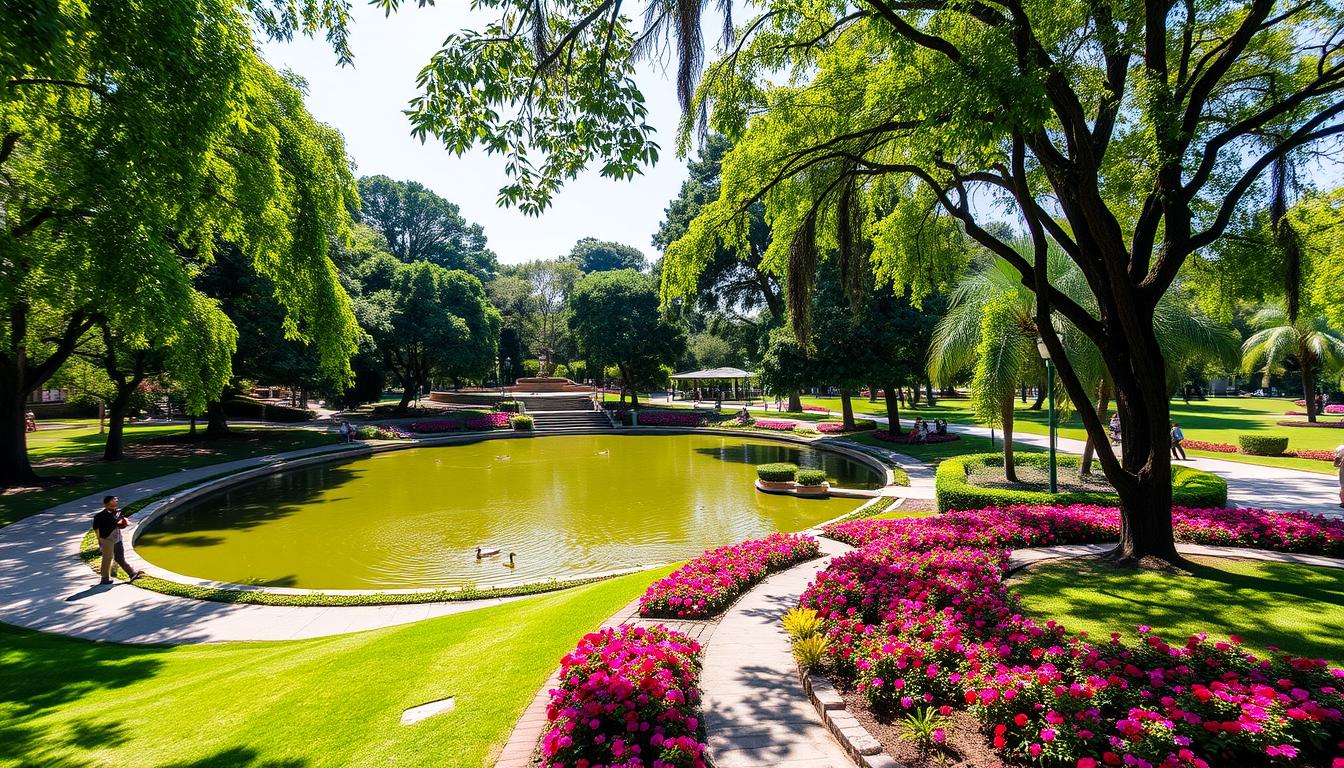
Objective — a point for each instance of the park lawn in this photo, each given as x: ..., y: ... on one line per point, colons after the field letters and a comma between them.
x: 151, y: 450
x: 934, y: 453
x: 1217, y: 420
x: 1294, y: 607
x: 333, y: 701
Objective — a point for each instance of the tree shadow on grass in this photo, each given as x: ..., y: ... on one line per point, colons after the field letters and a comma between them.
x: 238, y: 757
x: 1296, y: 608
x: 41, y: 673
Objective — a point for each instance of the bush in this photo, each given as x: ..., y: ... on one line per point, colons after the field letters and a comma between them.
x: 706, y: 585
x: 626, y: 694
x: 650, y: 418
x: 810, y: 477
x: 470, y: 421
x: 247, y: 408
x: 521, y: 422
x: 1190, y: 487
x: 776, y: 473
x: 380, y: 432
x: 832, y: 427
x: 1262, y: 445
x: 801, y: 623
x: 509, y: 406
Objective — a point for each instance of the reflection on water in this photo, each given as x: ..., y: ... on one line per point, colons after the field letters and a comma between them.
x: 566, y: 506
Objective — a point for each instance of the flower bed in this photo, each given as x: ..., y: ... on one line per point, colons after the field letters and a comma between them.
x: 666, y: 419
x: 1334, y: 408
x: 1301, y: 453
x: 816, y: 409
x: 833, y: 427
x: 706, y: 585
x: 1200, y: 445
x: 627, y: 697
x: 1327, y: 424
x: 919, y: 617
x: 381, y: 432
x: 475, y: 423
x: 909, y: 437
x: 774, y: 424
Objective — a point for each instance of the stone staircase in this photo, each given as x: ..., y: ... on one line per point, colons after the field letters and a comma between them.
x: 568, y: 422
x: 557, y: 403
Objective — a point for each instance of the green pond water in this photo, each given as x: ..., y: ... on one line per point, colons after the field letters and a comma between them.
x: 566, y: 506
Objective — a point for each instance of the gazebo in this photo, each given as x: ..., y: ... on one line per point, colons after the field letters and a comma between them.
x: 733, y: 375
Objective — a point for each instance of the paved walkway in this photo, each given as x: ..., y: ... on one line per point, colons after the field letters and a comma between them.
x: 756, y: 711
x: 44, y: 585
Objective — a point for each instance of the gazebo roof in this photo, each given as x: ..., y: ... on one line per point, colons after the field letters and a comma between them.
x: 716, y: 373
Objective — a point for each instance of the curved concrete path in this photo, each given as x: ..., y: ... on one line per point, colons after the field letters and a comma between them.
x: 1021, y: 558
x: 44, y: 585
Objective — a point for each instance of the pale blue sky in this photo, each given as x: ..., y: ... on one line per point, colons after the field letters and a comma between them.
x: 365, y: 102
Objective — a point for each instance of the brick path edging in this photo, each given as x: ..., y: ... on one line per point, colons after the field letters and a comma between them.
x: 847, y: 730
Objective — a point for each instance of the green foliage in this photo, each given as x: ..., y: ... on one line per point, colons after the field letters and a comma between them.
x: 509, y: 406
x: 785, y: 367
x: 522, y: 422
x: 808, y: 476
x: 810, y: 652
x: 779, y: 472
x: 921, y: 727
x: 247, y: 408
x: 1190, y: 487
x: 801, y: 623
x: 592, y: 255
x: 419, y: 225
x: 1262, y: 445
x: 615, y: 318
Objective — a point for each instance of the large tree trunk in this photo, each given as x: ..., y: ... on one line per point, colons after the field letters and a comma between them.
x: 872, y: 393
x: 15, y: 469
x: 1009, y: 462
x: 1040, y: 399
x: 893, y: 410
x: 847, y: 408
x: 217, y: 424
x: 928, y: 393
x: 795, y: 403
x: 1089, y: 450
x: 114, y: 448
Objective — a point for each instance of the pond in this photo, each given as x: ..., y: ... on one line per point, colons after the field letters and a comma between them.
x: 566, y: 506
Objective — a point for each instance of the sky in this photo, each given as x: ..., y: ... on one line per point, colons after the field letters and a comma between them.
x: 365, y: 102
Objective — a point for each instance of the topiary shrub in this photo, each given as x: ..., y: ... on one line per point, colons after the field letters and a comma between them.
x: 522, y: 423
x: 776, y: 473
x: 509, y: 406
x: 1262, y: 445
x: 810, y: 477
x: 1190, y: 487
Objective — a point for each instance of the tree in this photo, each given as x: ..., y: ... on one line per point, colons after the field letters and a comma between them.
x: 615, y: 318
x: 1308, y: 340
x: 786, y: 368
x: 550, y: 283
x: 899, y: 334
x: 132, y: 140
x: 593, y: 255
x: 419, y: 225
x: 426, y: 321
x: 710, y: 351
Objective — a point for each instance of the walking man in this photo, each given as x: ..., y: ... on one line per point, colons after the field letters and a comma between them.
x: 1177, y: 437
x: 108, y: 523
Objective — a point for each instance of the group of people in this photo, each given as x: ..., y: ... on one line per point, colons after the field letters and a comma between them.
x: 1177, y: 437
x: 347, y: 431
x: 921, y: 430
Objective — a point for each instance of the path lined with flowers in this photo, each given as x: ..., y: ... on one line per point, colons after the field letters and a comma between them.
x: 756, y: 711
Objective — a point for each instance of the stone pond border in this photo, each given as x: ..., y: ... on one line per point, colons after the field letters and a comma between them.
x: 173, y: 499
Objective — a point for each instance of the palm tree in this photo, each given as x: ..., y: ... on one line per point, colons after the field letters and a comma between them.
x: 990, y: 330
x: 1309, y: 340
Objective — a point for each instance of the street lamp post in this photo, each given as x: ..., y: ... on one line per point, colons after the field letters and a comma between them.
x: 1050, y: 393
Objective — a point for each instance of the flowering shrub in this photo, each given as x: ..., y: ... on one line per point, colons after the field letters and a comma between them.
x: 1335, y: 424
x: 909, y: 437
x: 1301, y: 453
x: 1336, y: 408
x: 707, y: 584
x: 831, y: 427
x: 919, y: 616
x: 1200, y: 445
x: 816, y: 409
x: 474, y: 423
x: 627, y: 697
x: 381, y: 432
x: 775, y: 424
x: 669, y: 419
x: 1306, y: 453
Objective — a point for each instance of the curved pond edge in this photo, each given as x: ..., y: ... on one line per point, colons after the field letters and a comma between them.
x: 161, y: 580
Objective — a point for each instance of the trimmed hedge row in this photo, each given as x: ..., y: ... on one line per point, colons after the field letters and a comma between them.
x: 1262, y: 445
x: 776, y: 473
x: 1190, y: 487
x: 810, y: 477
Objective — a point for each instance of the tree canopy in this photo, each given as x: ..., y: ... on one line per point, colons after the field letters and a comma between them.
x: 592, y: 255
x: 419, y: 225
x: 615, y: 318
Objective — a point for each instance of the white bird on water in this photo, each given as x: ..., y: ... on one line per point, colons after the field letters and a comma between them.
x: 480, y: 553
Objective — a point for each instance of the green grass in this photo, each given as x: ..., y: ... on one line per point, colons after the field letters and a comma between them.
x: 1294, y: 607
x: 934, y: 453
x: 327, y: 702
x: 151, y: 451
x: 1217, y: 420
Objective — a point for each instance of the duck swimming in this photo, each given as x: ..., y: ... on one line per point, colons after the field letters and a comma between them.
x: 481, y: 553
x: 510, y: 564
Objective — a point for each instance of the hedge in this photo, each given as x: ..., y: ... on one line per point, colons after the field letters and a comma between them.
x: 810, y: 477
x: 522, y: 422
x: 776, y: 473
x: 1262, y: 445
x: 1190, y: 487
x: 509, y: 406
x: 247, y: 408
